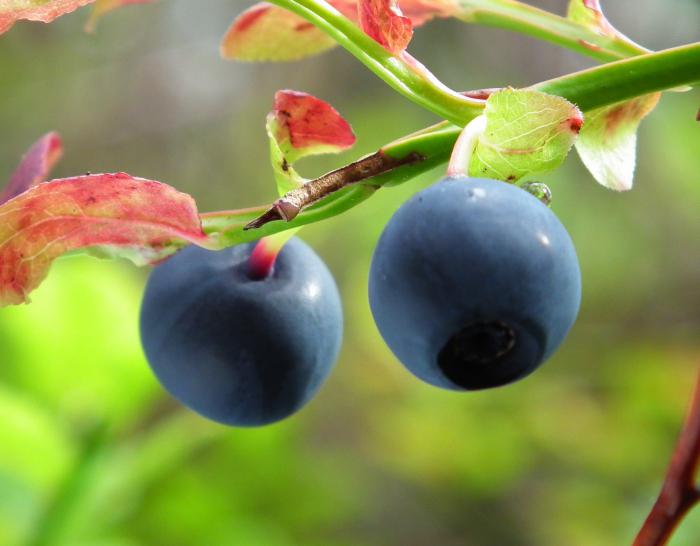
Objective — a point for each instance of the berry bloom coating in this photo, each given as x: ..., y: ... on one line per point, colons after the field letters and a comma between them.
x: 474, y: 283
x: 240, y: 351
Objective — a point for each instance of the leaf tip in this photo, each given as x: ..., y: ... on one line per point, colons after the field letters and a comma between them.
x: 576, y: 122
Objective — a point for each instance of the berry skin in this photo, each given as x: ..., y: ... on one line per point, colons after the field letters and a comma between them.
x: 474, y: 283
x: 240, y: 351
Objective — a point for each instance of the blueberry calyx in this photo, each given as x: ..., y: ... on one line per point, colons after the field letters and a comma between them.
x: 478, y: 343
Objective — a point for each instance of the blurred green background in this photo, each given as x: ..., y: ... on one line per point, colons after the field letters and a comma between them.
x: 94, y: 453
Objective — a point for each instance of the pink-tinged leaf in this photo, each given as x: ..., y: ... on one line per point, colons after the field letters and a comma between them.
x: 142, y: 220
x: 103, y: 6
x: 589, y: 14
x: 269, y: 33
x: 300, y: 125
x: 383, y: 21
x: 608, y: 141
x: 35, y: 166
x: 44, y: 11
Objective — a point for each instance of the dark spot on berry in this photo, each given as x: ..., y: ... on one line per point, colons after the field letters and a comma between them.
x: 468, y: 355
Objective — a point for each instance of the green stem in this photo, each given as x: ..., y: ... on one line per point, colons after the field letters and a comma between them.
x: 541, y: 24
x: 400, y: 72
x: 622, y: 80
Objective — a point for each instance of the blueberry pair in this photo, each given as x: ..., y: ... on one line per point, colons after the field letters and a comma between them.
x: 473, y: 284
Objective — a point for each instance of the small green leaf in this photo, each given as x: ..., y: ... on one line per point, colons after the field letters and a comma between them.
x: 526, y: 132
x: 608, y: 141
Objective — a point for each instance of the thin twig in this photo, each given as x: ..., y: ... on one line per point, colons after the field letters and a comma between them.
x: 679, y: 492
x: 293, y: 202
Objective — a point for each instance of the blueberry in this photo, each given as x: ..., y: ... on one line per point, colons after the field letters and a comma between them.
x: 474, y: 283
x: 240, y: 351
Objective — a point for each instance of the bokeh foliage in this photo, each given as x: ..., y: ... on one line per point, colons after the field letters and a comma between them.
x: 93, y: 453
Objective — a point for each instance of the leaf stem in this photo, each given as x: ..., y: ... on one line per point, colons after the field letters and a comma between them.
x: 541, y: 24
x: 679, y: 492
x: 615, y: 82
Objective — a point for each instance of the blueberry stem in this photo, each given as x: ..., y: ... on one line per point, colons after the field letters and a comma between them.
x: 262, y: 259
x: 465, y: 146
x: 679, y: 492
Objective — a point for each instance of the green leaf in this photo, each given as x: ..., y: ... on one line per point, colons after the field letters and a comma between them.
x: 608, y: 141
x: 526, y: 132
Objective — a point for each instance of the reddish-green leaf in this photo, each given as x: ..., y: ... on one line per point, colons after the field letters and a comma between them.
x: 607, y: 144
x: 117, y: 214
x: 103, y: 6
x: 383, y: 21
x: 35, y: 166
x: 269, y: 33
x: 300, y: 125
x: 45, y: 11
x: 307, y: 125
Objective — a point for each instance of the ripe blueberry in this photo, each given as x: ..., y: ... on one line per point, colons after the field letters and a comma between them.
x: 474, y: 283
x: 237, y: 350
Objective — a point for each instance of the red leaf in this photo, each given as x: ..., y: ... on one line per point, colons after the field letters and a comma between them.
x: 307, y: 122
x: 265, y: 32
x: 35, y: 166
x: 117, y: 213
x: 12, y: 11
x: 383, y: 21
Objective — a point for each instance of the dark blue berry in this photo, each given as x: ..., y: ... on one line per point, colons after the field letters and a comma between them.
x: 236, y: 350
x: 474, y: 283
